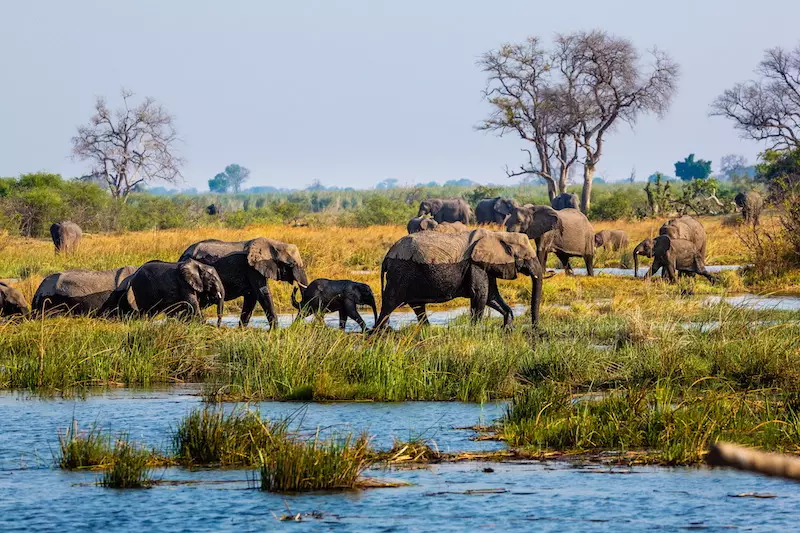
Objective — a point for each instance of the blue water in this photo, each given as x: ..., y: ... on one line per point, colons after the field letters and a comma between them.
x: 553, y: 496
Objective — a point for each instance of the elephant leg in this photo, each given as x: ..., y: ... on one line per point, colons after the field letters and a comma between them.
x: 264, y: 297
x: 653, y: 269
x: 351, y: 311
x: 247, y: 309
x: 564, y: 258
x: 589, y: 260
x: 479, y: 286
x: 422, y: 314
x: 670, y: 271
x: 342, y: 319
x: 497, y: 303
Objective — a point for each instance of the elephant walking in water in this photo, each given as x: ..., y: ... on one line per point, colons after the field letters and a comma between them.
x: 66, y: 236
x: 572, y: 236
x: 494, y: 210
x: 684, y: 227
x: 331, y: 295
x: 677, y: 255
x: 245, y: 268
x: 446, y: 210
x: 78, y: 292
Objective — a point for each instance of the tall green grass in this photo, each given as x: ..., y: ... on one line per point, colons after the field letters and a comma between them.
x: 83, y: 449
x: 129, y: 466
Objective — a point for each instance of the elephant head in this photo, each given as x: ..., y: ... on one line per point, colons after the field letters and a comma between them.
x: 12, y: 302
x: 739, y: 199
x: 532, y: 220
x: 644, y: 248
x: 504, y: 206
x: 599, y: 239
x: 418, y: 224
x: 277, y: 260
x: 429, y: 207
x: 205, y: 281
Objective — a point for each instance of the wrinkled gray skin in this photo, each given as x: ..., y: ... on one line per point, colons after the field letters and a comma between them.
x: 180, y: 289
x: 66, y: 236
x: 573, y: 236
x: 616, y: 239
x: 751, y: 205
x: 332, y: 295
x: 446, y: 210
x: 78, y: 292
x: 677, y: 255
x: 565, y: 201
x: 245, y: 269
x: 12, y: 303
x: 417, y: 224
x: 494, y: 210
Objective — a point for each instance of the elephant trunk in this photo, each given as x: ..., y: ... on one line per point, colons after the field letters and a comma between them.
x: 220, y: 308
x: 636, y: 262
x: 295, y: 303
x: 299, y: 275
x: 536, y: 293
x: 371, y: 302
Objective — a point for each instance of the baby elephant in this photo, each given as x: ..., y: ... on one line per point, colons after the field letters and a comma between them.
x: 615, y: 239
x: 677, y: 255
x: 12, y: 302
x: 331, y: 295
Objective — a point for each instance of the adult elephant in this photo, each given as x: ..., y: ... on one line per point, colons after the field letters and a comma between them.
x: 418, y: 224
x: 686, y: 227
x: 12, y: 302
x: 433, y: 267
x: 446, y: 210
x: 677, y: 255
x: 66, y: 236
x: 78, y: 292
x: 245, y: 268
x: 572, y: 236
x: 494, y: 210
x: 751, y: 204
x: 179, y: 289
x: 565, y: 200
x: 616, y: 239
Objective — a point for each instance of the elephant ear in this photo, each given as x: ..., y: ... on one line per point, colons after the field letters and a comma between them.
x: 543, y: 219
x: 190, y: 270
x: 504, y: 206
x: 495, y: 255
x: 264, y: 255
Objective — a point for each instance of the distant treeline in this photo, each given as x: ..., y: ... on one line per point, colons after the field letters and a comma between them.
x: 31, y: 202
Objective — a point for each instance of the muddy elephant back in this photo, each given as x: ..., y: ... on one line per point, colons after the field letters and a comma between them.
x: 576, y: 235
x: 430, y: 247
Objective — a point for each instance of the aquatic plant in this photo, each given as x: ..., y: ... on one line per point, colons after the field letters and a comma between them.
x: 83, y: 449
x: 129, y: 466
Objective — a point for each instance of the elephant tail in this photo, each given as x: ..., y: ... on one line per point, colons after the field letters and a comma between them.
x: 295, y: 303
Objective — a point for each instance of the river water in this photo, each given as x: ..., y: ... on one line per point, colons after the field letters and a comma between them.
x: 541, y: 496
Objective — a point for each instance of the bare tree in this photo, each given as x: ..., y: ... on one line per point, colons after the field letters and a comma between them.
x: 767, y: 109
x: 129, y: 147
x: 525, y: 101
x: 604, y: 83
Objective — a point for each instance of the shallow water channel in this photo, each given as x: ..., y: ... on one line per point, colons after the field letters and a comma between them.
x: 531, y: 495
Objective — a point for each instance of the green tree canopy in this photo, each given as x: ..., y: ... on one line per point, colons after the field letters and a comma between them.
x: 232, y: 179
x: 693, y: 169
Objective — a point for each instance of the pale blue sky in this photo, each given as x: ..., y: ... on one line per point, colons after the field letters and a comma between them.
x: 351, y: 92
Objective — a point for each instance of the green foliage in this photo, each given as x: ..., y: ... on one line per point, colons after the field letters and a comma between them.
x: 659, y: 194
x: 690, y: 169
x: 219, y: 183
x: 780, y: 172
x: 287, y: 211
x: 479, y: 193
x: 611, y: 208
x: 232, y: 179
x: 85, y: 449
x: 379, y: 210
x: 129, y: 469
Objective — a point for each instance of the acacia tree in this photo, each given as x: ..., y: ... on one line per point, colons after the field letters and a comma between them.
x: 767, y: 109
x: 130, y: 146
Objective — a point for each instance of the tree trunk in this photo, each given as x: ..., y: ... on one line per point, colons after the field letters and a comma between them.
x: 551, y: 188
x: 562, y: 179
x: 586, y: 194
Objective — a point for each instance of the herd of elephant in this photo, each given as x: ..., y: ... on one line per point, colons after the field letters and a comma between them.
x: 440, y: 259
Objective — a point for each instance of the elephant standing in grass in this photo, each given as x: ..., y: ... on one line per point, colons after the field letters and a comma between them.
x: 418, y: 224
x: 494, y: 210
x: 571, y: 236
x: 616, y: 239
x: 446, y: 210
x: 677, y: 255
x: 331, y: 295
x: 565, y: 201
x: 180, y: 289
x: 751, y: 205
x: 78, y: 292
x: 245, y: 268
x: 66, y: 236
x: 433, y: 267
x: 12, y: 302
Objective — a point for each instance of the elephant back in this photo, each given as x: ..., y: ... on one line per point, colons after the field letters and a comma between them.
x: 80, y: 283
x: 451, y: 227
x: 430, y: 247
x: 212, y: 249
x: 575, y: 234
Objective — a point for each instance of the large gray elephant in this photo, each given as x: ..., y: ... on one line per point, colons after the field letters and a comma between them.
x: 616, y: 239
x: 245, y: 268
x: 12, y: 302
x: 433, y: 267
x: 332, y: 295
x: 180, y: 289
x: 494, y: 210
x: 677, y: 255
x: 418, y: 224
x: 66, y: 236
x: 78, y: 292
x: 684, y: 227
x: 751, y: 204
x: 565, y: 200
x: 446, y: 210
x: 572, y: 236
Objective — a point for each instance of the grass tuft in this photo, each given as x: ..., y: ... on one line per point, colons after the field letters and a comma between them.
x: 129, y: 468
x: 83, y: 449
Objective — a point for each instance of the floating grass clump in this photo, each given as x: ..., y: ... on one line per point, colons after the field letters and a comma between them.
x: 294, y: 465
x: 83, y: 449
x: 676, y: 425
x: 211, y: 436
x: 413, y: 451
x: 129, y: 466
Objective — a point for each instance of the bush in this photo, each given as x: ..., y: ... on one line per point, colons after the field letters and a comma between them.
x: 380, y: 210
x: 613, y: 207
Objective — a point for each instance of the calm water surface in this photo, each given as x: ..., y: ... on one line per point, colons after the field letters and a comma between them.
x: 449, y: 497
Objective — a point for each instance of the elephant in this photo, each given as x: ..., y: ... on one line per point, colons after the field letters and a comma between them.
x: 686, y: 227
x: 421, y: 224
x: 565, y: 201
x: 245, y: 268
x: 331, y: 295
x: 677, y: 255
x: 751, y: 205
x: 446, y: 210
x: 78, y: 292
x: 494, y: 210
x: 433, y: 267
x: 572, y: 236
x: 644, y: 248
x: 212, y: 209
x: 451, y: 227
x: 616, y: 239
x: 179, y: 289
x: 12, y: 302
x: 66, y: 236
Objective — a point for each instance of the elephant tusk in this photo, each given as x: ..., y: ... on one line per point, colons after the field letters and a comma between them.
x: 302, y: 286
